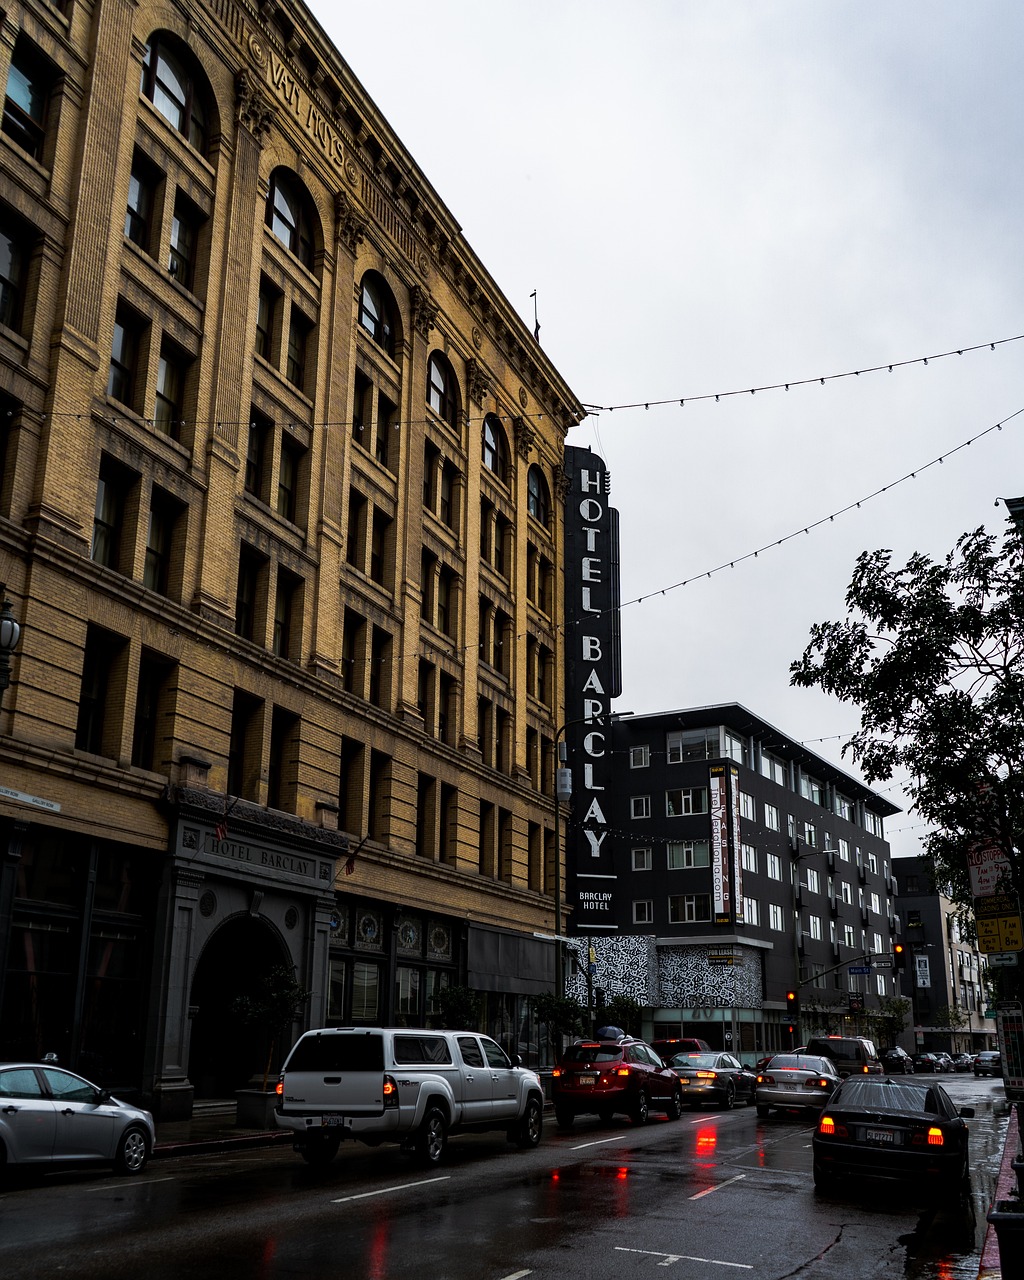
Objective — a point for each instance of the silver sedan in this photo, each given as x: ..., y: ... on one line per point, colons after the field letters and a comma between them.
x: 795, y: 1081
x: 52, y: 1116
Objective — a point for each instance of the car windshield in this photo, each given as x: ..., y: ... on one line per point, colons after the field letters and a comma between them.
x: 888, y: 1095
x: 593, y: 1053
x: 694, y: 1060
x: 798, y: 1062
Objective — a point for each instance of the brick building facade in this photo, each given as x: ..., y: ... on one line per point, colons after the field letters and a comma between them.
x: 280, y: 520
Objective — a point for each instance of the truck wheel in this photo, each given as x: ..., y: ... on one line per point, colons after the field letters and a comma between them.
x: 531, y: 1124
x: 319, y: 1152
x: 431, y: 1138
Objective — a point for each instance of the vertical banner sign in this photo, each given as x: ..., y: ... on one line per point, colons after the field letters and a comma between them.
x: 593, y: 678
x: 1010, y: 1026
x: 737, y: 849
x: 721, y: 901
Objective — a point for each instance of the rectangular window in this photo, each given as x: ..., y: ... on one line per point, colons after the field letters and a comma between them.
x: 124, y: 356
x: 365, y: 992
x: 407, y: 991
x: 251, y: 567
x: 680, y: 801
x: 812, y: 881
x: 848, y: 934
x: 691, y: 744
x: 643, y: 859
x: 15, y: 241
x: 142, y: 186
x: 748, y: 809
x: 29, y: 83
x: 185, y: 226
x: 749, y: 857
x: 257, y: 454
x: 771, y: 817
x: 287, y: 614
x: 734, y: 747
x: 773, y: 769
x: 810, y: 835
x: 681, y: 855
x: 639, y: 757
x: 96, y: 730
x: 846, y: 893
x: 168, y: 407
x: 874, y: 904
x: 266, y: 317
x: 815, y: 927
x: 643, y: 911
x: 872, y: 863
x: 844, y: 849
x: 379, y: 526
x: 685, y: 908
x: 288, y: 475
x: 640, y: 806
x: 774, y: 866
x: 873, y: 823
x: 164, y: 514
x: 751, y: 911
x: 298, y: 344
x: 844, y: 807
x: 151, y: 705
x: 776, y: 918
x: 387, y: 420
x: 113, y: 488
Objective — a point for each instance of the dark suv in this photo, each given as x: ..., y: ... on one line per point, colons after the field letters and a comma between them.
x: 620, y: 1075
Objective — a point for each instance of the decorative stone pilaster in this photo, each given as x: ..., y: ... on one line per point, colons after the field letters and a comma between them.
x: 351, y: 225
x: 479, y: 384
x: 424, y: 311
x: 524, y: 437
x: 252, y: 108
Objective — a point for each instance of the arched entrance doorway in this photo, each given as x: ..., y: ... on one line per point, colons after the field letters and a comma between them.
x: 224, y: 1053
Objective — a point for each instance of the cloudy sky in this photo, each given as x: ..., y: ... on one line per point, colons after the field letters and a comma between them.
x: 710, y: 196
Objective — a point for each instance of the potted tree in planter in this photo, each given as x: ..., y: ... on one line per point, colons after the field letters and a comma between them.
x: 275, y: 1002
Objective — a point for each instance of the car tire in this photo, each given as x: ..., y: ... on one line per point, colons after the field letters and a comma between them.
x: 531, y: 1125
x: 823, y: 1181
x: 762, y: 1112
x: 431, y: 1138
x: 675, y: 1106
x: 564, y: 1117
x: 132, y: 1153
x: 729, y: 1101
x: 319, y: 1152
x: 641, y: 1111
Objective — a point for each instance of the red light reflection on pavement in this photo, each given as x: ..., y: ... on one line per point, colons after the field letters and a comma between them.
x: 707, y: 1140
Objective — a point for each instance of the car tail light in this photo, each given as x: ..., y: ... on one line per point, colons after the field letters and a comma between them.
x: 826, y: 1125
x: 556, y: 1073
x: 622, y: 1071
x: 765, y: 1079
x: 390, y: 1091
x: 934, y: 1137
x: 279, y: 1088
x: 866, y: 1070
x: 706, y: 1075
x: 824, y: 1082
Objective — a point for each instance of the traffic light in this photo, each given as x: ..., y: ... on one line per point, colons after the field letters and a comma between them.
x: 793, y: 1005
x: 899, y: 956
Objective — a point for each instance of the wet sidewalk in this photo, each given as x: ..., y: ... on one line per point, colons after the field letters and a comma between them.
x: 213, y: 1127
x: 992, y: 1268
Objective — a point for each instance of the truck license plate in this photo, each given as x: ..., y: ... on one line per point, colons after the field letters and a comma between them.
x: 334, y: 1122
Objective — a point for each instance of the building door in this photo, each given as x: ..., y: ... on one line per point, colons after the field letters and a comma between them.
x: 225, y: 1053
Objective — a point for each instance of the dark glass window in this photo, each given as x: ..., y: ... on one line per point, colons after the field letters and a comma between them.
x: 103, y: 650
x: 173, y: 89
x: 266, y: 314
x: 29, y: 83
x: 168, y: 406
x: 164, y: 514
x: 250, y: 570
x: 298, y: 345
x: 288, y: 472
x: 185, y: 224
x: 154, y: 679
x: 288, y: 216
x: 112, y: 491
x: 442, y: 391
x: 124, y: 356
x: 495, y: 448
x: 537, y: 503
x: 256, y: 455
x: 376, y: 312
x: 14, y: 250
x: 142, y: 188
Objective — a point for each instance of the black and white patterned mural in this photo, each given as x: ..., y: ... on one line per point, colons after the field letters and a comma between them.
x: 667, y: 977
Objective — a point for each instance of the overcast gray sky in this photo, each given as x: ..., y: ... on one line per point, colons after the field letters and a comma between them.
x: 718, y: 195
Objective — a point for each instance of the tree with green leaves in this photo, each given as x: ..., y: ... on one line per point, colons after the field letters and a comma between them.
x: 933, y: 655
x: 271, y: 1007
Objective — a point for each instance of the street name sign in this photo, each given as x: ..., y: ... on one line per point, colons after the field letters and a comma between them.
x: 859, y: 968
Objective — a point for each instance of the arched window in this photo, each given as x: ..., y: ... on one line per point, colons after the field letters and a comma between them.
x: 377, y: 311
x: 175, y: 89
x: 495, y: 448
x: 442, y: 389
x: 537, y: 501
x: 288, y: 216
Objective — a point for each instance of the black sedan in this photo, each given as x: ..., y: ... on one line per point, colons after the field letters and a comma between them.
x: 907, y: 1131
x: 897, y: 1062
x: 929, y: 1063
x: 713, y: 1077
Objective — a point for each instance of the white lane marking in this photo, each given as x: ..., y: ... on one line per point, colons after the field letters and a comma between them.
x: 598, y: 1142
x: 718, y: 1186
x: 386, y: 1191
x: 517, y: 1275
x: 119, y: 1186
x: 669, y: 1258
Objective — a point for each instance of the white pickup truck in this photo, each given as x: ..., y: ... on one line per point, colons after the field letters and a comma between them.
x: 388, y: 1084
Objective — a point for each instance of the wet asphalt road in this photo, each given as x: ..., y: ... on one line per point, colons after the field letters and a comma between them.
x: 718, y: 1194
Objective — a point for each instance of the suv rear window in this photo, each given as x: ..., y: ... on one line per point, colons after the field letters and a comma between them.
x: 332, y: 1051
x: 593, y: 1053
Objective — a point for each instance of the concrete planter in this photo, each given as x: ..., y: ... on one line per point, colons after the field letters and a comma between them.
x: 255, y: 1109
x: 1008, y: 1219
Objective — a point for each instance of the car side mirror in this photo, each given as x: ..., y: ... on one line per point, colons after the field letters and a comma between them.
x: 844, y: 1075
x: 967, y: 1113
x: 102, y: 1095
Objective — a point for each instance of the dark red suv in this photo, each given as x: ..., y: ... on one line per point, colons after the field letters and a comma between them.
x: 605, y: 1077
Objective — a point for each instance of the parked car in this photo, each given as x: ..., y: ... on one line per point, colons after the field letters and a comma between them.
x: 713, y: 1077
x: 897, y: 1061
x: 988, y: 1063
x: 906, y: 1130
x: 963, y: 1061
x: 948, y: 1065
x: 928, y: 1063
x: 795, y: 1081
x: 851, y: 1055
x: 389, y: 1084
x: 52, y: 1116
x: 616, y: 1076
x: 666, y: 1049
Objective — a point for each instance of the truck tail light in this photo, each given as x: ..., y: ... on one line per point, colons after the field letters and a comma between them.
x: 390, y: 1091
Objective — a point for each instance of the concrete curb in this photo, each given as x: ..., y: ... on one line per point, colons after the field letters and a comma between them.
x: 990, y: 1268
x: 223, y: 1142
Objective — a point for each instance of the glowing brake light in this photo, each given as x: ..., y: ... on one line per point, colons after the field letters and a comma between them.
x: 390, y: 1091
x: 935, y: 1137
x: 622, y: 1071
x: 279, y: 1088
x: 557, y: 1072
x: 705, y: 1075
x: 826, y: 1125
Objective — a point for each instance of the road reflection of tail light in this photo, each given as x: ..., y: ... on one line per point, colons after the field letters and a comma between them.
x: 706, y: 1141
x: 622, y: 1172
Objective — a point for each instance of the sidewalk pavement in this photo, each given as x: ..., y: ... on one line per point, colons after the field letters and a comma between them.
x: 212, y: 1127
x: 1006, y: 1187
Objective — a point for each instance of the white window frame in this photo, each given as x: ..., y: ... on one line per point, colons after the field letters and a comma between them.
x: 687, y: 795
x: 690, y: 851
x: 814, y: 927
x: 774, y: 867
x: 748, y: 809
x: 645, y: 860
x: 643, y: 910
x: 751, y: 911
x: 639, y: 806
x: 748, y: 857
x: 771, y: 816
x: 776, y: 918
x: 640, y: 757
